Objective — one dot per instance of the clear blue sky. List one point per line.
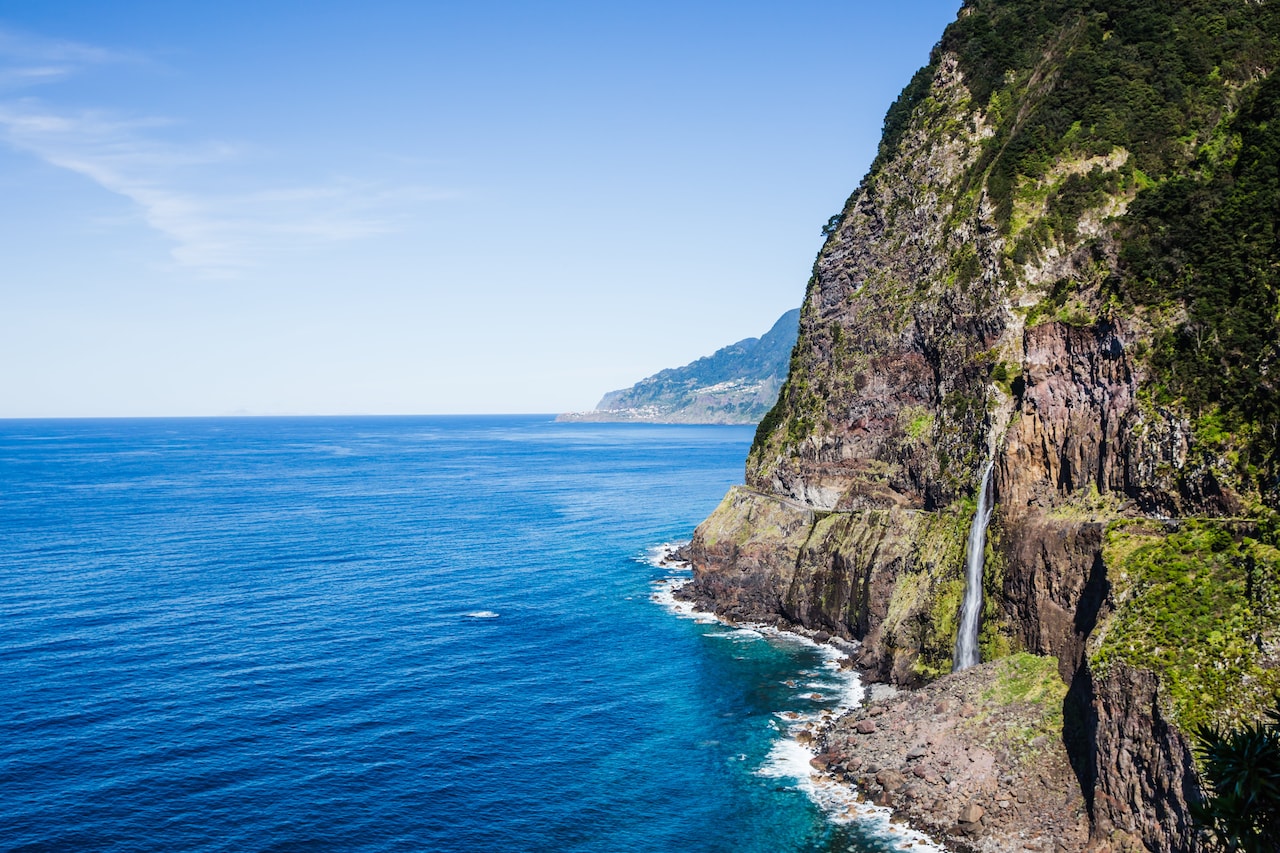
(415, 207)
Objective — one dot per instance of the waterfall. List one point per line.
(970, 612)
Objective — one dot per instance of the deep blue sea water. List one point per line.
(253, 635)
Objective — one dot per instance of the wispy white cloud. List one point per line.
(168, 178)
(29, 60)
(17, 45)
(217, 232)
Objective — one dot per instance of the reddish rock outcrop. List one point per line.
(1135, 767)
(958, 314)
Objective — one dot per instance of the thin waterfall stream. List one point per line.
(966, 654)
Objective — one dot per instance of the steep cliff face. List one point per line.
(1141, 776)
(1064, 260)
(884, 401)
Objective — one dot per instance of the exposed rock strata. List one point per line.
(1140, 778)
(958, 314)
(976, 776)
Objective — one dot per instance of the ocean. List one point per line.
(389, 634)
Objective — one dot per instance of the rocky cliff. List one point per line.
(1064, 260)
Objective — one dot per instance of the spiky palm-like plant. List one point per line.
(1242, 774)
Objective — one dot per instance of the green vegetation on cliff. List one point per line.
(1065, 259)
(1180, 97)
(924, 609)
(735, 384)
(1204, 245)
(1031, 681)
(1198, 603)
(1159, 118)
(1066, 79)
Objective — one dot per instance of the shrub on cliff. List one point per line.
(1242, 770)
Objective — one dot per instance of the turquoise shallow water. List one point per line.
(271, 634)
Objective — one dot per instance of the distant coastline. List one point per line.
(726, 403)
(737, 384)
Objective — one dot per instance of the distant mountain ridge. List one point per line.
(737, 384)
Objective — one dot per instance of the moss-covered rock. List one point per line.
(1066, 259)
(1198, 603)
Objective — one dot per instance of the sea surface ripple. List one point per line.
(380, 634)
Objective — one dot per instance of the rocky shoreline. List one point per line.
(1010, 283)
(974, 760)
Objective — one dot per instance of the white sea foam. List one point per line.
(664, 590)
(844, 681)
(743, 635)
(789, 758)
(664, 594)
(663, 556)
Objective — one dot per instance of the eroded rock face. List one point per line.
(884, 373)
(1137, 768)
(976, 777)
(1080, 427)
(935, 335)
(1055, 587)
(861, 575)
(1077, 418)
(746, 555)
